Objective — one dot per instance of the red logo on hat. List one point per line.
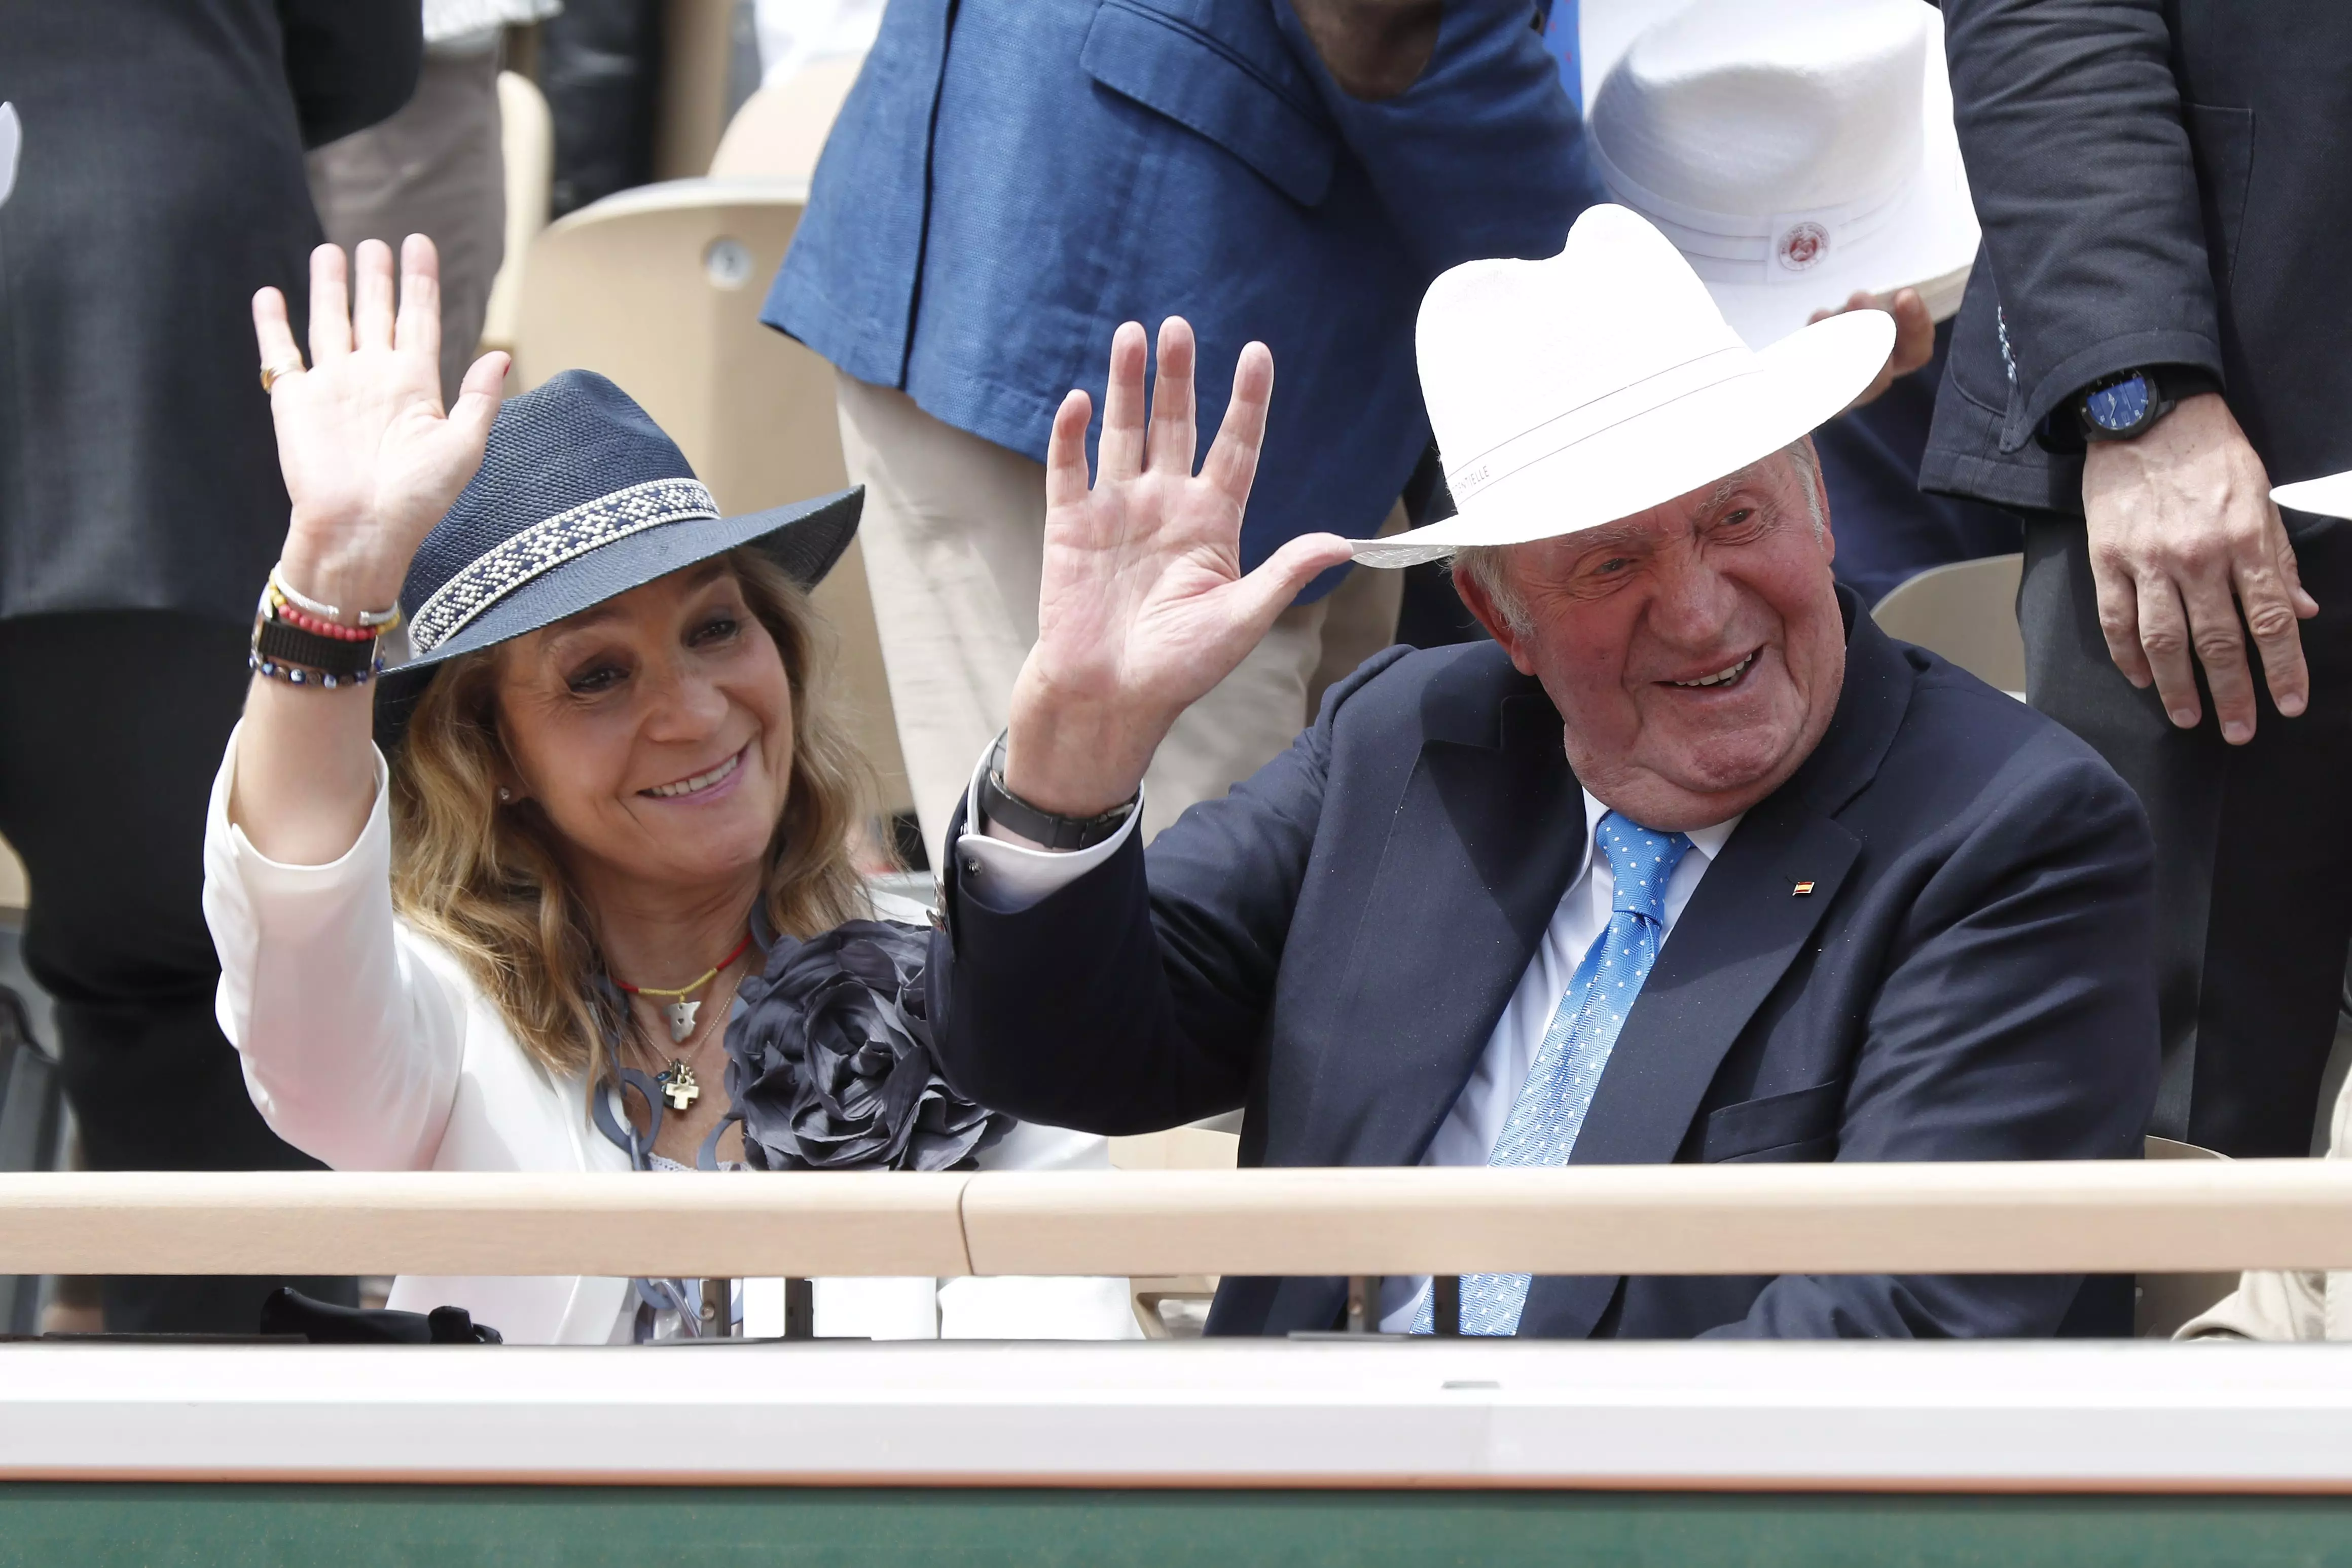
(1803, 246)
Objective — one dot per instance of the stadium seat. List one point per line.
(659, 288)
(527, 142)
(780, 128)
(1967, 613)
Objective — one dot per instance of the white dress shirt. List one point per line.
(1013, 877)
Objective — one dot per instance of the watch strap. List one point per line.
(1054, 831)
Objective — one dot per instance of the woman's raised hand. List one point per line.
(1143, 605)
(372, 462)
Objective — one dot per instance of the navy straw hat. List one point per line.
(580, 497)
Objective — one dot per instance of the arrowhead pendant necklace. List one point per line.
(677, 1080)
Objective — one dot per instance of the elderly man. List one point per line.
(1691, 862)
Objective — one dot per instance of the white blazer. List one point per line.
(367, 1046)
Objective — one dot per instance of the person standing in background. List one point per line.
(160, 183)
(436, 168)
(2153, 335)
(1010, 179)
(600, 66)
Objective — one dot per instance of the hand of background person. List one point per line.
(370, 460)
(1143, 606)
(1914, 335)
(2182, 533)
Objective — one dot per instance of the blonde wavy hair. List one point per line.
(488, 883)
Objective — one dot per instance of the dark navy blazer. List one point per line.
(1012, 179)
(1331, 944)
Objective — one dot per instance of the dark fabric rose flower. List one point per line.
(831, 1065)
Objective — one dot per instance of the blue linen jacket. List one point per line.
(1011, 179)
(1330, 945)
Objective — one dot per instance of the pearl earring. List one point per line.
(505, 795)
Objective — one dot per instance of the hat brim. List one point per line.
(1792, 388)
(805, 538)
(1929, 243)
(2330, 496)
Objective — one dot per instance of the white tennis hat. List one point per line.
(1569, 392)
(1794, 151)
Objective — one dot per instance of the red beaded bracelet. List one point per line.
(318, 625)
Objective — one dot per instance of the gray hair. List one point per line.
(1484, 564)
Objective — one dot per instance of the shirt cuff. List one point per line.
(1008, 878)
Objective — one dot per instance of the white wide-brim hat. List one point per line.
(1795, 150)
(1569, 392)
(2329, 496)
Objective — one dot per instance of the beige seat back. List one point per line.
(780, 128)
(659, 288)
(15, 892)
(2168, 1301)
(527, 142)
(1966, 612)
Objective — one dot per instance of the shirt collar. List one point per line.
(1708, 840)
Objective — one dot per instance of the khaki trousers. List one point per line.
(954, 540)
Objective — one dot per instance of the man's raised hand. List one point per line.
(370, 460)
(1143, 605)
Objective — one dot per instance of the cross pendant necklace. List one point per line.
(679, 1087)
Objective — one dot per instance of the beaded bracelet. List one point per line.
(301, 675)
(320, 627)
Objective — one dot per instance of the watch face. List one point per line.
(2120, 406)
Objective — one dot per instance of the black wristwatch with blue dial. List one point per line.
(2124, 405)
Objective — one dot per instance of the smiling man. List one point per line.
(1691, 862)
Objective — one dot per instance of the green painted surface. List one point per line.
(95, 1526)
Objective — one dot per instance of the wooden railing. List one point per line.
(2099, 1217)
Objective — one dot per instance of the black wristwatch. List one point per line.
(2125, 405)
(1050, 829)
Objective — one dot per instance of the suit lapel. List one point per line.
(1482, 844)
(1742, 929)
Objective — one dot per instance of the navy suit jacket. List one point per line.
(1331, 944)
(1012, 179)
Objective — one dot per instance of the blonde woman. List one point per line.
(615, 793)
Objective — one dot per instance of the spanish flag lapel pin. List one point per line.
(1801, 890)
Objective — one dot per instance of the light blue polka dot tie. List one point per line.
(1549, 1111)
